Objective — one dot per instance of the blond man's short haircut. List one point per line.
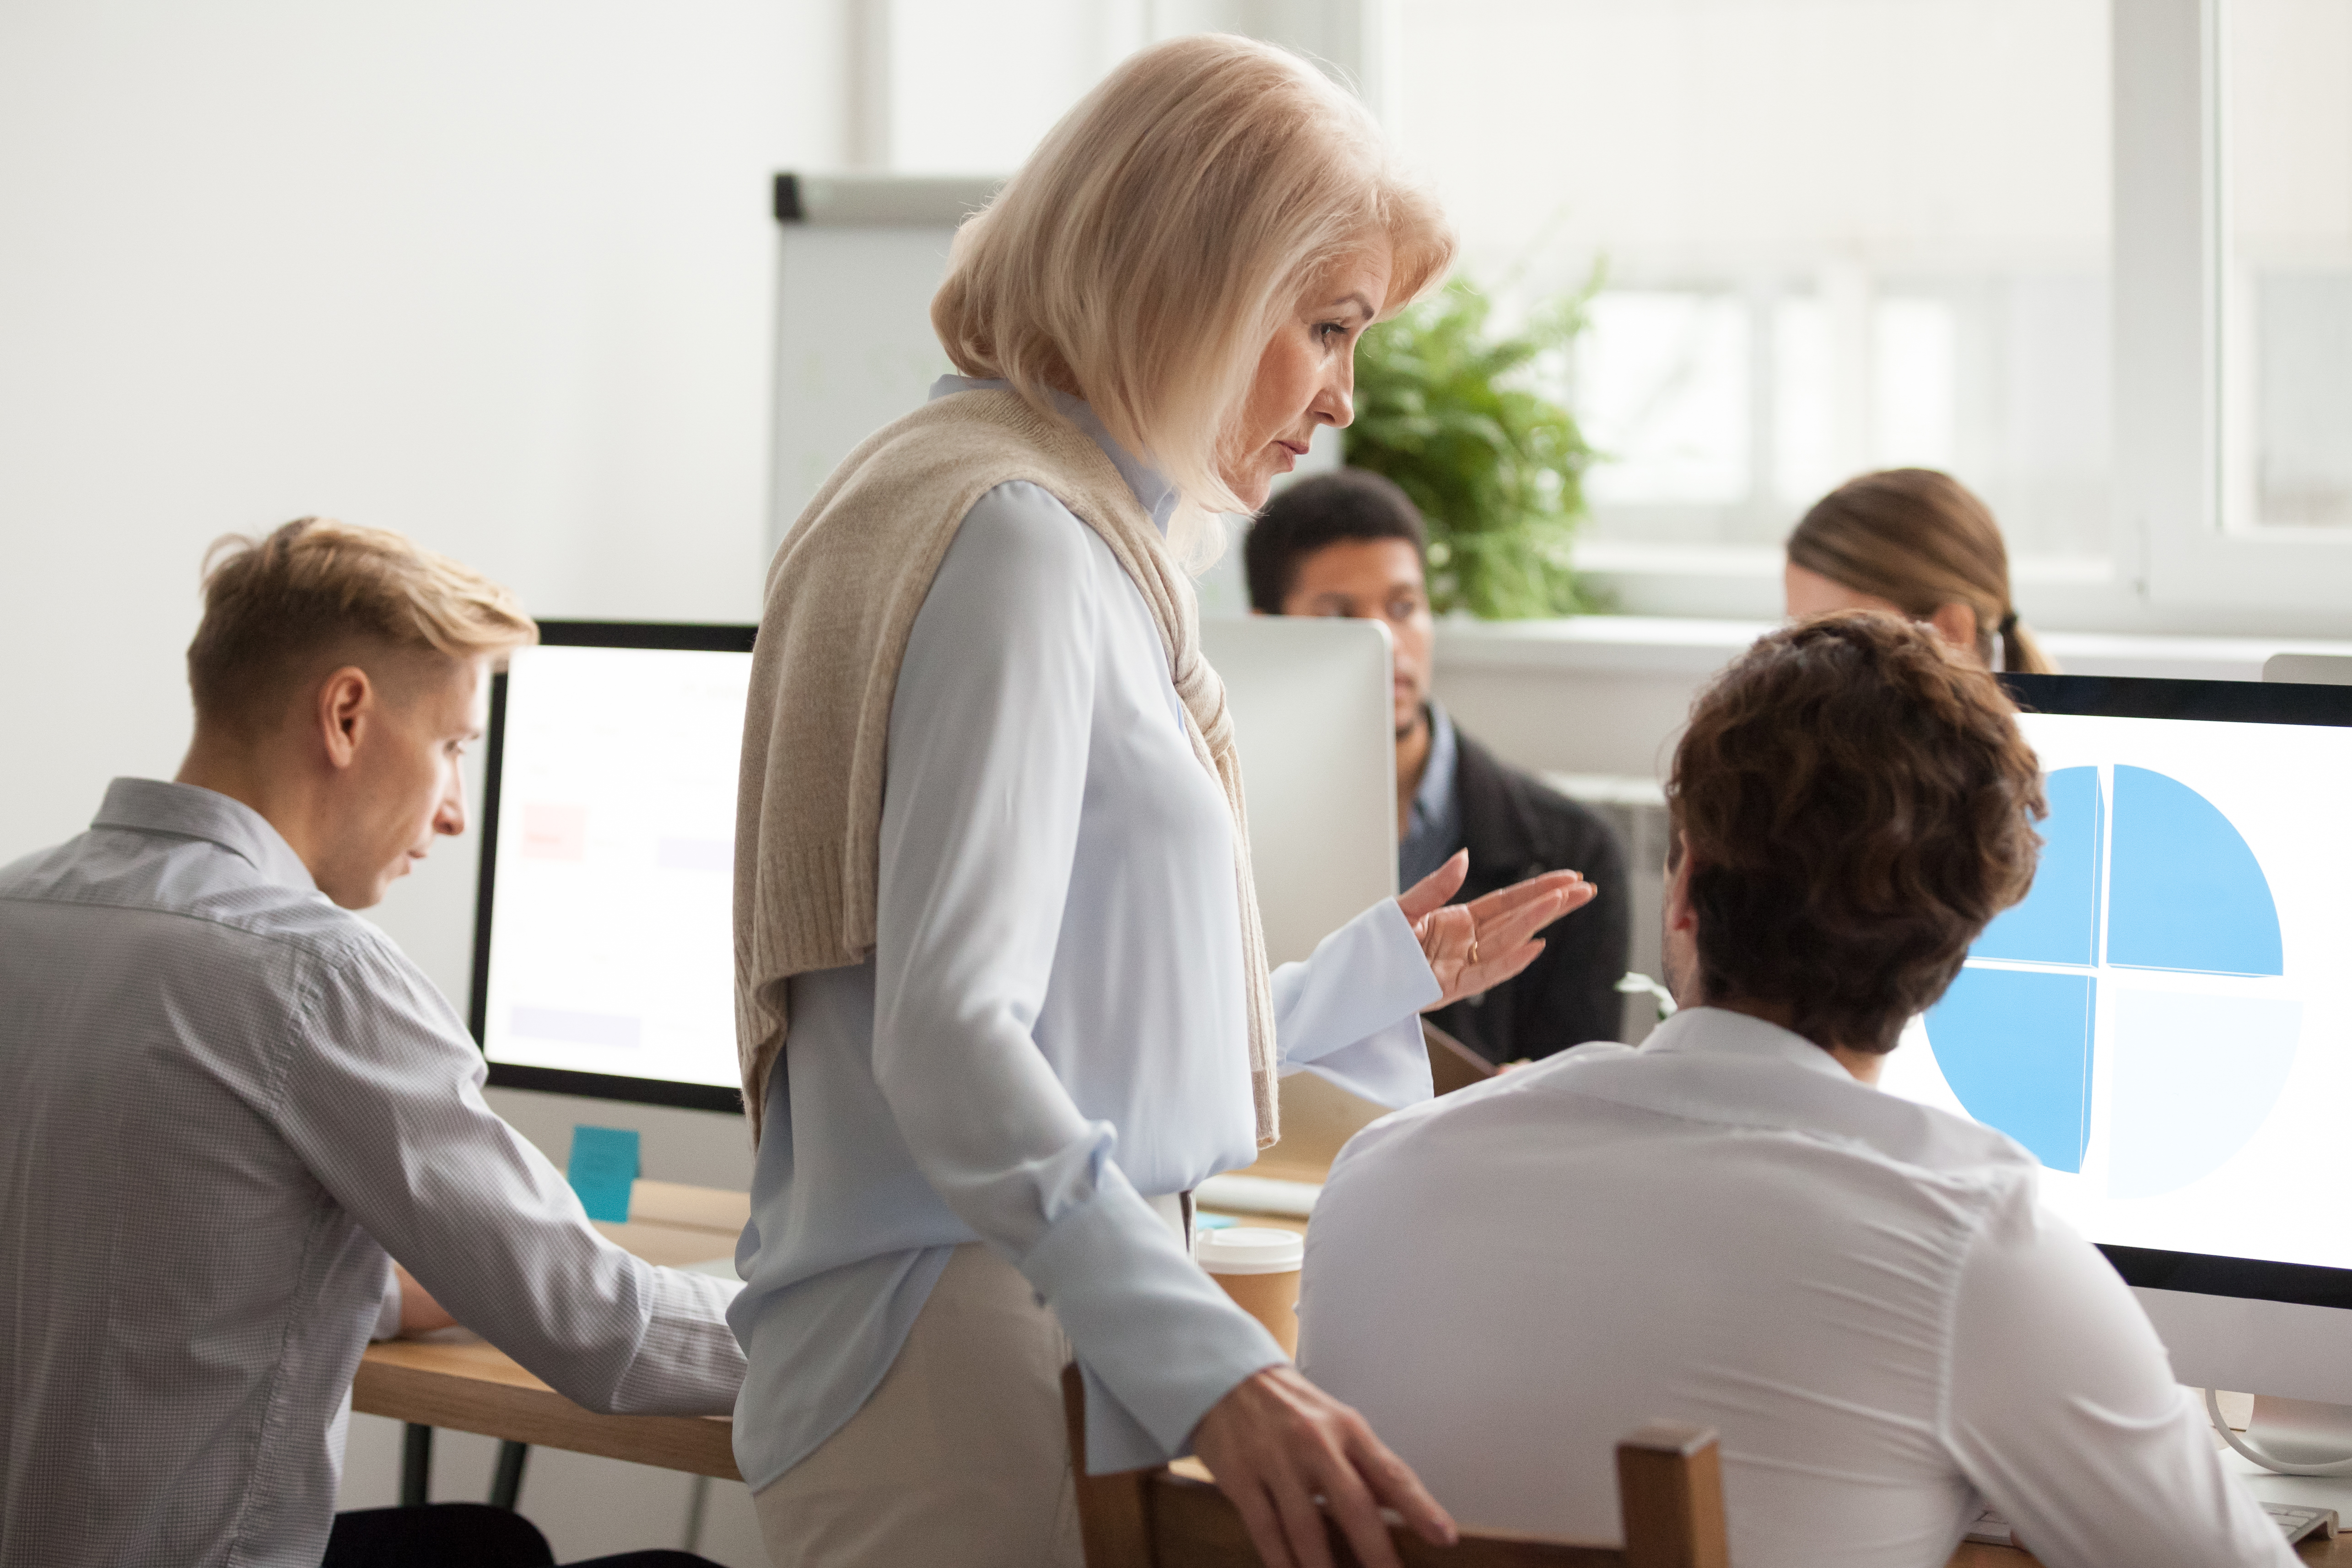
(1146, 253)
(276, 607)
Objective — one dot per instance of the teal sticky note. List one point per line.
(604, 1164)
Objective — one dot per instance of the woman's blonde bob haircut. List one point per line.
(1144, 255)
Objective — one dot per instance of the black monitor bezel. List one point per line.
(2223, 702)
(704, 637)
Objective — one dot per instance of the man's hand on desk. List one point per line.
(1275, 1443)
(419, 1312)
(1476, 946)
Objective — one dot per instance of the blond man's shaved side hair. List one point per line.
(277, 609)
(1144, 255)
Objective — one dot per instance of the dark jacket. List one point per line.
(1516, 828)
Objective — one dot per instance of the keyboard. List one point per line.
(2293, 1522)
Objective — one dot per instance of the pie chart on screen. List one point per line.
(2126, 916)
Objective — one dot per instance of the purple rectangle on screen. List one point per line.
(694, 854)
(576, 1029)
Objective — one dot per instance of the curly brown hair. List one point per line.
(1857, 803)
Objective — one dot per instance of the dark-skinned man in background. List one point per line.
(1352, 543)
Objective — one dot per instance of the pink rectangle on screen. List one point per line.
(555, 832)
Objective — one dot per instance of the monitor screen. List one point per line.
(603, 946)
(2164, 1019)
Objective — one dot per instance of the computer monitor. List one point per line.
(604, 947)
(1315, 721)
(604, 952)
(2165, 1020)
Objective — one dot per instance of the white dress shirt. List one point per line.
(1858, 1294)
(223, 1100)
(1052, 1028)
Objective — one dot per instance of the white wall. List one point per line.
(497, 275)
(1040, 56)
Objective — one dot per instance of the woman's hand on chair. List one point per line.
(1276, 1444)
(1476, 946)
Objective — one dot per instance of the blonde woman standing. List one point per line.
(1002, 994)
(1919, 543)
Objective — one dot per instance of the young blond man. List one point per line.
(228, 1103)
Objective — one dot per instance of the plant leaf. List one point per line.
(1497, 467)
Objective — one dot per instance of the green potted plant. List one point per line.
(1445, 408)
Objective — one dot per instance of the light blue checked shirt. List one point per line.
(223, 1101)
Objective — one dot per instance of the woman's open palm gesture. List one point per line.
(1476, 946)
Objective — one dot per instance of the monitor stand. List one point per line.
(2292, 1437)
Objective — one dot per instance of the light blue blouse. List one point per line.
(1051, 1025)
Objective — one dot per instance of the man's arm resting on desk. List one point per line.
(408, 1307)
(381, 1100)
(419, 1312)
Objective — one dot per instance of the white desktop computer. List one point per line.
(603, 947)
(1316, 727)
(2166, 1022)
(603, 956)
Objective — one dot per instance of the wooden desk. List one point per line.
(457, 1381)
(471, 1386)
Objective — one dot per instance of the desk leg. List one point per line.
(415, 1465)
(506, 1484)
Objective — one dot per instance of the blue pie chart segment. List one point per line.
(2188, 894)
(2058, 922)
(2195, 1077)
(2015, 1046)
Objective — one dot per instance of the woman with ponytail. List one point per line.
(1919, 543)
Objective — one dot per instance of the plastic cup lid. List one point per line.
(1246, 1249)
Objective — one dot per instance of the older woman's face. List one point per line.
(1306, 376)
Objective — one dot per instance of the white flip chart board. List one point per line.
(858, 259)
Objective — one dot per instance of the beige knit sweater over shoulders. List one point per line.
(841, 596)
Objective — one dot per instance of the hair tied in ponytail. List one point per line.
(1920, 539)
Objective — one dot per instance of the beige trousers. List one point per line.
(959, 1459)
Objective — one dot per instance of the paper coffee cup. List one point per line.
(1259, 1269)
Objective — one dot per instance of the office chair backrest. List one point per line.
(1669, 1488)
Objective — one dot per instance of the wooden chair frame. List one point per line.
(1669, 1488)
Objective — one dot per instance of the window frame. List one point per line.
(2174, 562)
(2176, 317)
